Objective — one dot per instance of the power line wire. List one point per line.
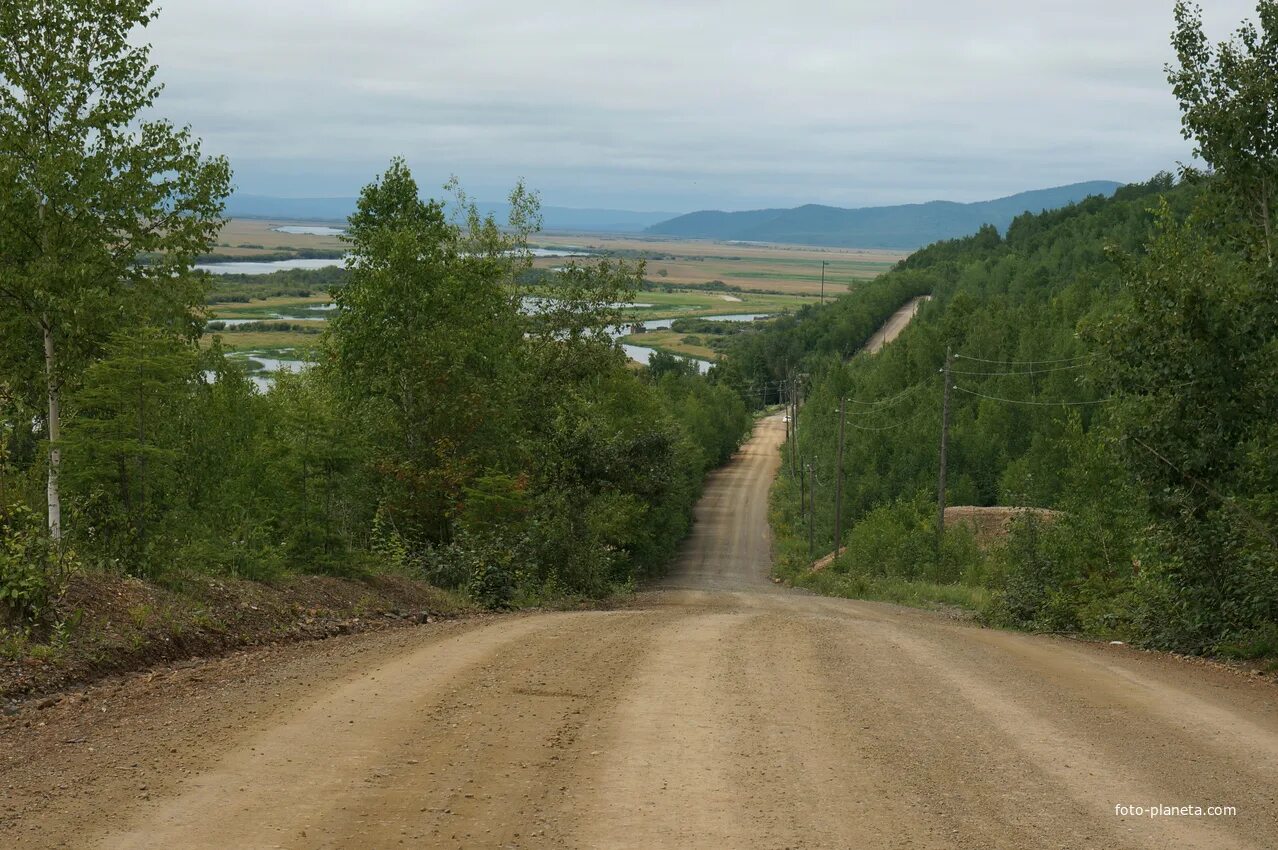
(892, 427)
(904, 393)
(1021, 371)
(1025, 362)
(1035, 403)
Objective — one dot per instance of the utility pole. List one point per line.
(789, 428)
(794, 428)
(803, 497)
(811, 510)
(823, 265)
(787, 420)
(838, 482)
(945, 440)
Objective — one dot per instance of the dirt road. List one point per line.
(719, 711)
(893, 326)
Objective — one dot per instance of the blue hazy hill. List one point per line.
(904, 227)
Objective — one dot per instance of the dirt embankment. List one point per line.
(991, 525)
(107, 624)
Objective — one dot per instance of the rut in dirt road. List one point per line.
(720, 711)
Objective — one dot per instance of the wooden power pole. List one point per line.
(811, 511)
(787, 423)
(838, 482)
(945, 441)
(794, 429)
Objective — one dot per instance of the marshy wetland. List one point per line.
(273, 321)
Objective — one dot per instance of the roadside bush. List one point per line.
(486, 568)
(897, 540)
(891, 540)
(32, 570)
(1067, 576)
(1039, 583)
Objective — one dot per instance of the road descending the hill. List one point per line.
(718, 711)
(895, 324)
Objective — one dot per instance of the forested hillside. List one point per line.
(1113, 361)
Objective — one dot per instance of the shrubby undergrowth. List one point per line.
(444, 435)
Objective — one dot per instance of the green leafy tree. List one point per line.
(1191, 350)
(124, 446)
(316, 454)
(425, 340)
(102, 211)
(1229, 108)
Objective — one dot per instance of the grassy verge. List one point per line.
(307, 323)
(267, 308)
(793, 565)
(915, 593)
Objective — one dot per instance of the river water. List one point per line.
(310, 230)
(266, 268)
(638, 353)
(251, 268)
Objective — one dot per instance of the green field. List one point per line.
(267, 308)
(665, 305)
(672, 342)
(688, 303)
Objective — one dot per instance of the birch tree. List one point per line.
(103, 206)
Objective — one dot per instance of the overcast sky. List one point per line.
(675, 106)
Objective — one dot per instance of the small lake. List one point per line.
(310, 230)
(642, 354)
(272, 364)
(737, 317)
(264, 379)
(558, 252)
(531, 305)
(639, 354)
(274, 317)
(667, 324)
(267, 268)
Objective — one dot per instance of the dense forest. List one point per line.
(1115, 361)
(444, 435)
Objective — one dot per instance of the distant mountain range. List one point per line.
(338, 209)
(903, 227)
(295, 209)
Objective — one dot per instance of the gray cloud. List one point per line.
(680, 105)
